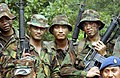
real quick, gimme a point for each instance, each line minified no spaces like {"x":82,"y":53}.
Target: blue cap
{"x":110,"y":61}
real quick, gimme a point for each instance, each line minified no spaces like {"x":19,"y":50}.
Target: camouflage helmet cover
{"x":5,"y":11}
{"x":90,"y":15}
{"x":60,"y":20}
{"x":39,"y":21}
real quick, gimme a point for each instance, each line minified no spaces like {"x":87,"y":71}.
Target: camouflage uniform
{"x":41,"y":58}
{"x":62,"y":64}
{"x":116,"y":51}
{"x":8,"y":46}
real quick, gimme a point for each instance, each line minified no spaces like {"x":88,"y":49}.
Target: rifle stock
{"x":95,"y":58}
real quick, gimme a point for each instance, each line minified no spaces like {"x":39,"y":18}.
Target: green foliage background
{"x":50,"y":8}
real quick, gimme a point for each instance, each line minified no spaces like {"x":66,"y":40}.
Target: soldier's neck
{"x":95,"y":38}
{"x":8,"y":33}
{"x":62,"y":44}
{"x":36,"y":43}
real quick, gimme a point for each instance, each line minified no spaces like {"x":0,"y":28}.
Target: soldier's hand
{"x":94,"y":71}
{"x":25,"y":54}
{"x":100,"y":47}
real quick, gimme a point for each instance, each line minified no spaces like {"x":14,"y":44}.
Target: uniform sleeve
{"x":116,"y":51}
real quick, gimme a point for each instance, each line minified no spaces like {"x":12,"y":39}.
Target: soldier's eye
{"x":106,"y":71}
{"x":56,"y":27}
{"x":114,"y":70}
{"x":64,"y":26}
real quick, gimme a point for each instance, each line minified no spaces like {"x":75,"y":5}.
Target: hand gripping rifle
{"x":95,"y":58}
{"x":76,"y":32}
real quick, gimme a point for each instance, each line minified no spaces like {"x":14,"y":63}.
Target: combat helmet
{"x":90,"y":15}
{"x":39,"y":21}
{"x":60,"y":20}
{"x":5,"y":11}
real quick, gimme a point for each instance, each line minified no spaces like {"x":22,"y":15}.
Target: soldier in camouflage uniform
{"x":62,"y":61}
{"x":38,"y":51}
{"x":8,"y":42}
{"x":116,"y":51}
{"x":91,"y":25}
{"x":6,"y":19}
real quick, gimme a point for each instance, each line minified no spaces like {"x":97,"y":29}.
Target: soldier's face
{"x":60,"y":32}
{"x":36,"y":32}
{"x":91,"y":28}
{"x":5,"y":24}
{"x":111,"y":72}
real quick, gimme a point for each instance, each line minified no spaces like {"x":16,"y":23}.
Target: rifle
{"x":76,"y":33}
{"x":95,"y":58}
{"x":23,"y":63}
{"x":24,"y":44}
{"x":76,"y":29}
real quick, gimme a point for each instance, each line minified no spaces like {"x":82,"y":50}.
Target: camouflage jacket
{"x":5,"y":39}
{"x":85,"y":46}
{"x":61,"y":63}
{"x":116,"y":51}
{"x":8,"y":54}
{"x":42,"y":61}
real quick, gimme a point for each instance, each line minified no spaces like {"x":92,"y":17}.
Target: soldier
{"x":91,"y":25}
{"x":62,"y":61}
{"x":6,"y":19}
{"x":38,"y":26}
{"x":110,"y":68}
{"x":116,"y":51}
{"x":38,"y":51}
{"x":8,"y":42}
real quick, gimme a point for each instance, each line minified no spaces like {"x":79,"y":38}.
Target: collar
{"x":53,"y":45}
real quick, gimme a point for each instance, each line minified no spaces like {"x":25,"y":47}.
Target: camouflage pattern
{"x":5,"y":39}
{"x":84,"y":46}
{"x":8,"y":55}
{"x":61,"y":64}
{"x":42,"y":61}
{"x":24,"y":68}
{"x":60,"y":20}
{"x":116,"y":51}
{"x":39,"y":21}
{"x":90,"y":15}
{"x":40,"y":64}
{"x":5,"y":11}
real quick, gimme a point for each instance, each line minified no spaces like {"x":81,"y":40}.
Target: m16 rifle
{"x":24,"y":64}
{"x":24,"y":44}
{"x":76,"y":33}
{"x":95,"y":58}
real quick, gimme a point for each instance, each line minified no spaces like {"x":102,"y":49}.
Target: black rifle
{"x":76,"y":33}
{"x":76,"y":29}
{"x":24,"y":44}
{"x":95,"y":58}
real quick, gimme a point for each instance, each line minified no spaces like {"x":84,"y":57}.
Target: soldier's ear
{"x":28,"y":30}
{"x":99,"y":24}
{"x":47,"y":30}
